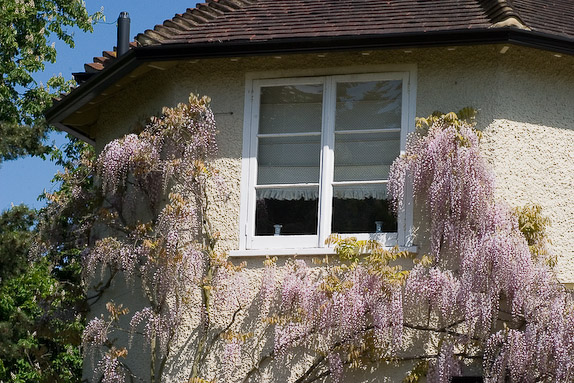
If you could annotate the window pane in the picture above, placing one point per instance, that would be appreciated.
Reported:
(291, 109)
(374, 105)
(287, 211)
(365, 156)
(367, 122)
(362, 209)
(288, 160)
(368, 105)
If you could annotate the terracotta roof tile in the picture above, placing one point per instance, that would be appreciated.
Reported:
(93, 67)
(110, 54)
(98, 64)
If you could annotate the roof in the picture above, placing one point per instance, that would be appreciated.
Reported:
(247, 27)
(219, 21)
(265, 20)
(555, 17)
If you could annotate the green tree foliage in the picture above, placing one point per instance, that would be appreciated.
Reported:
(27, 32)
(39, 332)
(42, 298)
(15, 239)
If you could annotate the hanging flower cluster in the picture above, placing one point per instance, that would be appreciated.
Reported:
(347, 310)
(155, 186)
(337, 309)
(485, 291)
(450, 179)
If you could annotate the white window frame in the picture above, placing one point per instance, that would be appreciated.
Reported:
(249, 243)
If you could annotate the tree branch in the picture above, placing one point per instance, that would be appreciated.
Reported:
(444, 330)
(310, 370)
(100, 290)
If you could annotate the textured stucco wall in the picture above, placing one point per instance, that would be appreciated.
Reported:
(524, 97)
(530, 143)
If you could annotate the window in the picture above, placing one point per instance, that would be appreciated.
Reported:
(317, 158)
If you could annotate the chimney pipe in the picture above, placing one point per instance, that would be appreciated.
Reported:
(123, 33)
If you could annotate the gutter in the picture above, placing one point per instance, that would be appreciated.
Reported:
(137, 56)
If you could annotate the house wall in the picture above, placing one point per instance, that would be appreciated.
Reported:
(524, 98)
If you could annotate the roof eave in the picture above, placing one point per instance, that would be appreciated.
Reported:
(168, 52)
(87, 91)
(339, 43)
(74, 132)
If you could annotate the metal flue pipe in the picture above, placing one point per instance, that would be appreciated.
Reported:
(123, 33)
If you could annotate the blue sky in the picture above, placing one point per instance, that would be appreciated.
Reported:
(21, 181)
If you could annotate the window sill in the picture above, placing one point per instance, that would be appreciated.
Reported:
(312, 251)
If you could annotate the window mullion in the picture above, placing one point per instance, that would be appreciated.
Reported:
(327, 160)
(405, 219)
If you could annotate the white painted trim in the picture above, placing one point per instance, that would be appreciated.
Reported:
(406, 237)
(309, 251)
(275, 135)
(249, 244)
(333, 71)
(370, 131)
(246, 172)
(283, 241)
(285, 186)
(343, 183)
(327, 162)
(282, 252)
(249, 224)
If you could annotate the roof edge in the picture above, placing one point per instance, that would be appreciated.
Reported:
(142, 54)
(75, 133)
(88, 90)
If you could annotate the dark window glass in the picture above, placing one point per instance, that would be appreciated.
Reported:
(467, 379)
(289, 217)
(362, 216)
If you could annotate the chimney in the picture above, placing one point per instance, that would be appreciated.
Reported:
(123, 33)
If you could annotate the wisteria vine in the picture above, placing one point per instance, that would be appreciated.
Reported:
(155, 185)
(499, 301)
(485, 295)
